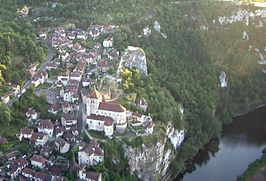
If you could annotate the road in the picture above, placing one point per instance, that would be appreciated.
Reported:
(81, 117)
(50, 54)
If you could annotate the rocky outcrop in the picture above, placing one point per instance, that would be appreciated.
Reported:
(134, 57)
(151, 162)
(223, 81)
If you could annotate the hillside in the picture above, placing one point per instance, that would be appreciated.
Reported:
(18, 47)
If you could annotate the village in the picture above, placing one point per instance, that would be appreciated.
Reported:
(81, 86)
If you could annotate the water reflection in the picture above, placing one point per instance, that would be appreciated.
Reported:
(241, 144)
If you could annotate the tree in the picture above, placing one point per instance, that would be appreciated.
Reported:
(5, 114)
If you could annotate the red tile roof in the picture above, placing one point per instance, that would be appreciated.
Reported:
(112, 107)
(26, 130)
(93, 148)
(45, 124)
(137, 114)
(108, 121)
(96, 117)
(36, 136)
(38, 158)
(93, 176)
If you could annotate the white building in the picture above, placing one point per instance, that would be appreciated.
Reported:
(75, 76)
(61, 145)
(46, 126)
(38, 161)
(93, 101)
(69, 120)
(90, 154)
(101, 123)
(63, 77)
(31, 114)
(90, 176)
(108, 43)
(117, 112)
(70, 93)
(39, 139)
(81, 35)
(25, 133)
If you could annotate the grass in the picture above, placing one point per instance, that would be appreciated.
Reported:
(45, 85)
(254, 168)
(98, 134)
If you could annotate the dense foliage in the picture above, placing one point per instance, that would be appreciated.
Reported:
(18, 46)
(13, 118)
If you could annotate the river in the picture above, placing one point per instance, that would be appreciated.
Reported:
(241, 144)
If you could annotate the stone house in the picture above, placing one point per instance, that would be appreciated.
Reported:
(46, 126)
(90, 154)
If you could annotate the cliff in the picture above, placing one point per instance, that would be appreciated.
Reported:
(151, 161)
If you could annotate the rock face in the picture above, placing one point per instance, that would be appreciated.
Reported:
(223, 81)
(134, 57)
(176, 136)
(151, 162)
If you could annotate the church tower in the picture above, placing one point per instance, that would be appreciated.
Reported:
(94, 99)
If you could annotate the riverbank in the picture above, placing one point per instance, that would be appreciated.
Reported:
(240, 144)
(256, 171)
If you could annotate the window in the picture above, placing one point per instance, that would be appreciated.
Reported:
(90, 121)
(99, 123)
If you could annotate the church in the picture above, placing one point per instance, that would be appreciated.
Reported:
(104, 116)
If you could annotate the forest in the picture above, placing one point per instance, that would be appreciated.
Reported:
(18, 46)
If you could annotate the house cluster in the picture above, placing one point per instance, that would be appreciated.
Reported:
(26, 168)
(89, 154)
(37, 78)
(51, 141)
(14, 90)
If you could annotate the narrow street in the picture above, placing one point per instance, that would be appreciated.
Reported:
(50, 54)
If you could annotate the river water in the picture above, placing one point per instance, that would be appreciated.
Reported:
(241, 144)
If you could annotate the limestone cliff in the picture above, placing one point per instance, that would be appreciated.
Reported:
(151, 161)
(134, 57)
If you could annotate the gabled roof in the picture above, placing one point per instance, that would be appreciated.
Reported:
(61, 142)
(92, 148)
(112, 107)
(36, 136)
(38, 158)
(137, 114)
(26, 131)
(108, 121)
(28, 171)
(45, 124)
(55, 107)
(94, 94)
(92, 176)
(69, 116)
(43, 176)
(96, 117)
